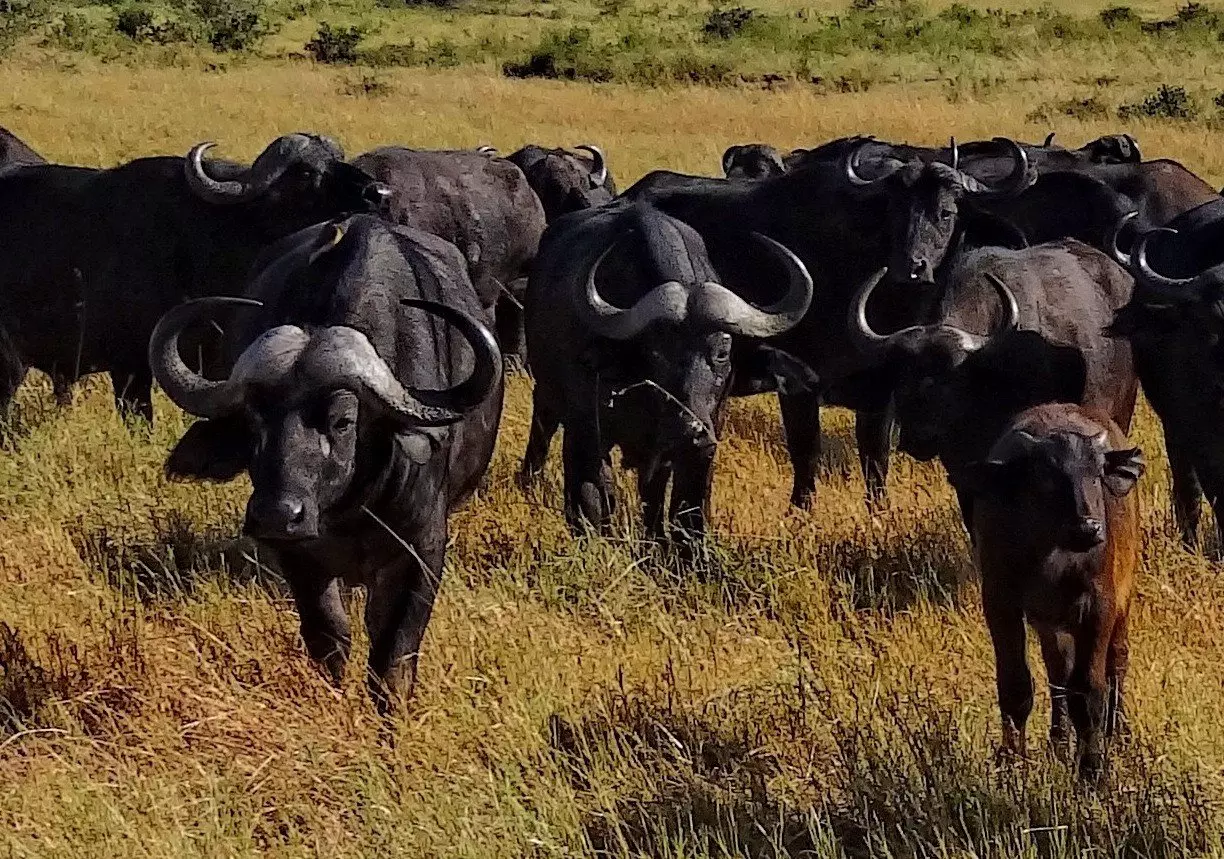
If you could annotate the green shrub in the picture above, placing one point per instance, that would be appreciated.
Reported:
(335, 44)
(727, 22)
(20, 19)
(1168, 102)
(142, 24)
(565, 56)
(232, 25)
(393, 55)
(1116, 16)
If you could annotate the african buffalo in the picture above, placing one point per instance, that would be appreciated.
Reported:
(1056, 534)
(630, 336)
(97, 256)
(1016, 328)
(752, 161)
(358, 410)
(14, 152)
(482, 205)
(566, 182)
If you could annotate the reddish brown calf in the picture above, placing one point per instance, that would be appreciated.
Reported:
(1056, 534)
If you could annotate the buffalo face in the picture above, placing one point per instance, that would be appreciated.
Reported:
(1057, 481)
(565, 182)
(301, 410)
(752, 161)
(299, 179)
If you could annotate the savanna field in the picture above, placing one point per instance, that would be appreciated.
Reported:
(828, 692)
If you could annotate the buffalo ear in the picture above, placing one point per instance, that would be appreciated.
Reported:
(791, 374)
(1123, 468)
(419, 445)
(216, 449)
(991, 477)
(1134, 318)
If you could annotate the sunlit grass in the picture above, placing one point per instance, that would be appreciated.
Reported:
(827, 692)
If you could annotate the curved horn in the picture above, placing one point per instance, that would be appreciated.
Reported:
(1017, 180)
(1124, 259)
(955, 153)
(1011, 308)
(728, 157)
(205, 186)
(488, 360)
(715, 305)
(189, 390)
(861, 334)
(1141, 260)
(852, 174)
(667, 301)
(487, 150)
(1049, 139)
(599, 169)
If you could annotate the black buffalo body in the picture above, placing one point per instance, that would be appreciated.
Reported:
(99, 255)
(15, 153)
(363, 401)
(630, 336)
(752, 161)
(482, 205)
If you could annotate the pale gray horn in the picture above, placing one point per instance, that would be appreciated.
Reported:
(1011, 308)
(667, 301)
(955, 153)
(487, 150)
(269, 166)
(851, 166)
(599, 167)
(865, 339)
(716, 306)
(1123, 259)
(189, 390)
(205, 186)
(1017, 180)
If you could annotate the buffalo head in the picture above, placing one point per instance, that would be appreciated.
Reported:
(752, 161)
(930, 204)
(1113, 149)
(565, 181)
(299, 178)
(1054, 470)
(303, 410)
(674, 344)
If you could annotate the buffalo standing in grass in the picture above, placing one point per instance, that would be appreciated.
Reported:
(630, 336)
(564, 181)
(95, 257)
(1016, 328)
(363, 401)
(1056, 531)
(480, 204)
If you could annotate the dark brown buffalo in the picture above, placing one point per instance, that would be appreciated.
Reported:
(1017, 328)
(752, 161)
(480, 204)
(1056, 533)
(363, 402)
(565, 181)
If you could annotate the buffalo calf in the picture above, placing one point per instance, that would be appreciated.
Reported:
(1056, 529)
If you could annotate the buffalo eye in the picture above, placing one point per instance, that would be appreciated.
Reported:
(343, 424)
(720, 353)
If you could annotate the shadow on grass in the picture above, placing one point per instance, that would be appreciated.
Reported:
(900, 779)
(838, 453)
(176, 561)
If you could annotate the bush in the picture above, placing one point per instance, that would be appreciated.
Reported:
(1116, 16)
(1168, 102)
(140, 24)
(335, 45)
(565, 56)
(725, 23)
(21, 18)
(393, 55)
(232, 25)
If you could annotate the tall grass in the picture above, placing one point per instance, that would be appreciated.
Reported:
(827, 693)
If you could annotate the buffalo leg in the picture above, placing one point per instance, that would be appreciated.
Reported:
(652, 489)
(133, 393)
(1211, 477)
(398, 607)
(1088, 694)
(691, 497)
(588, 491)
(1014, 682)
(801, 423)
(964, 498)
(1115, 669)
(508, 317)
(544, 423)
(873, 433)
(61, 387)
(1187, 494)
(1058, 653)
(324, 622)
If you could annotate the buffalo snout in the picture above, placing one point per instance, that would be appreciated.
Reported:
(920, 269)
(280, 517)
(1085, 534)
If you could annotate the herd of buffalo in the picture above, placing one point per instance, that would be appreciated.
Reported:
(341, 327)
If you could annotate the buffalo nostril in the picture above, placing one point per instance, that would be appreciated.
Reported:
(296, 511)
(918, 268)
(1091, 531)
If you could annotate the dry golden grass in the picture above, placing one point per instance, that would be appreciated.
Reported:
(829, 693)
